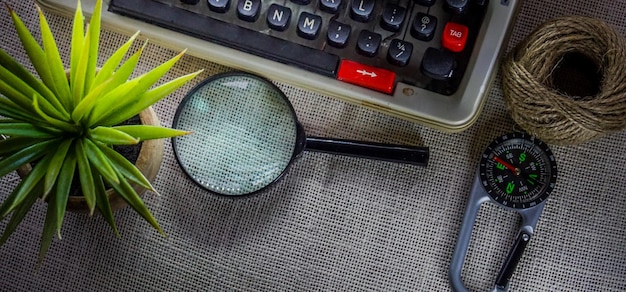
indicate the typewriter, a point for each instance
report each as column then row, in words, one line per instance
column 428, row 61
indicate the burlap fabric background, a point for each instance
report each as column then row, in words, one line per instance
column 336, row 223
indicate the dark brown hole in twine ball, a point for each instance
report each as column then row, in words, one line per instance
column 566, row 82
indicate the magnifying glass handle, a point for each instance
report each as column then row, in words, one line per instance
column 387, row 152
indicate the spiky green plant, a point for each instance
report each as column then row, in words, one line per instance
column 70, row 127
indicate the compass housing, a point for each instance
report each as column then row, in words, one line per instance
column 518, row 171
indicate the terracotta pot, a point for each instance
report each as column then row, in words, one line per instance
column 148, row 162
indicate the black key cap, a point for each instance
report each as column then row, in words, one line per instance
column 230, row 35
column 192, row 2
column 301, row 2
column 424, row 26
column 393, row 17
column 278, row 17
column 248, row 10
column 330, row 6
column 426, row 3
column 309, row 25
column 361, row 10
column 219, row 6
column 455, row 6
column 338, row 34
column 399, row 52
column 438, row 64
column 368, row 43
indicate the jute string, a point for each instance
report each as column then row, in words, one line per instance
column 543, row 110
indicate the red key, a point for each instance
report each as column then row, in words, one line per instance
column 367, row 76
column 454, row 36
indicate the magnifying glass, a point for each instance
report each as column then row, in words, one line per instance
column 246, row 135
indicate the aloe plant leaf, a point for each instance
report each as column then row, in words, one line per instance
column 78, row 38
column 78, row 85
column 11, row 110
column 103, row 204
column 126, row 191
column 18, row 70
column 35, row 53
column 56, row 163
column 122, row 74
column 9, row 85
column 13, row 144
column 107, row 70
column 107, row 103
column 94, row 32
column 100, row 161
column 63, row 186
column 146, row 99
column 86, row 176
column 57, row 69
column 32, row 181
column 125, row 167
column 108, row 135
column 55, row 123
column 26, row 155
column 149, row 132
column 85, row 105
column 143, row 83
column 49, row 227
column 17, row 129
column 19, row 212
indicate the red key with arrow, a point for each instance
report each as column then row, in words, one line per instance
column 367, row 76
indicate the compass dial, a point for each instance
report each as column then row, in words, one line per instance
column 518, row 171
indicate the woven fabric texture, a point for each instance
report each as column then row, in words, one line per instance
column 338, row 223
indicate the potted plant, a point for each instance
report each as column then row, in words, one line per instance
column 66, row 123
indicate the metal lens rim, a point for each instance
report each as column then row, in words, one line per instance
column 216, row 78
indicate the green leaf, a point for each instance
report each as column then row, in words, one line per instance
column 78, row 38
column 86, row 176
column 115, row 102
column 78, row 87
column 126, row 191
column 14, row 144
column 55, row 166
column 26, row 155
column 110, row 136
column 20, row 211
column 85, row 105
column 17, row 91
column 99, row 160
column 123, row 73
column 49, row 226
column 148, row 132
column 113, row 62
column 55, row 123
column 18, row 70
column 31, row 182
column 103, row 204
column 125, row 167
column 57, row 69
column 11, row 110
column 35, row 53
column 94, row 33
column 145, row 100
column 16, row 129
column 107, row 102
column 63, row 186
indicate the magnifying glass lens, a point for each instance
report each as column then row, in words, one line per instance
column 244, row 134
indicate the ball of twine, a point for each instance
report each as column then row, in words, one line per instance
column 550, row 114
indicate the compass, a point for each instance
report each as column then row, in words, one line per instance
column 517, row 172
